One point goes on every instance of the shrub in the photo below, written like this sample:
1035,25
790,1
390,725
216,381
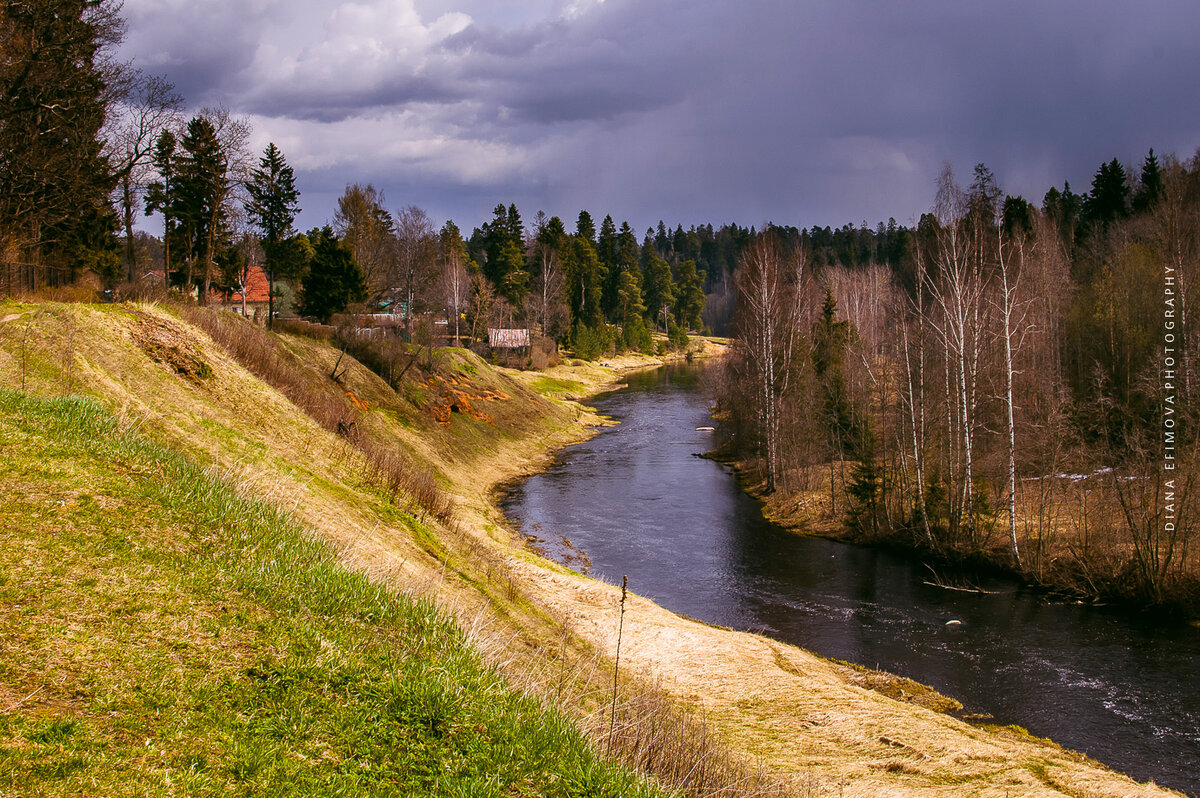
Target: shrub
636,337
590,343
677,336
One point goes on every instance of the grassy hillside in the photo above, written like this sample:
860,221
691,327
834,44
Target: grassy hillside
166,632
165,635
392,480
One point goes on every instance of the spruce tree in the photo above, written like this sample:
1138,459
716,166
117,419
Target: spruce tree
161,194
1150,189
657,286
1108,200
200,189
272,209
831,338
585,228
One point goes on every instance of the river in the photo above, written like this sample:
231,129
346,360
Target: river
638,501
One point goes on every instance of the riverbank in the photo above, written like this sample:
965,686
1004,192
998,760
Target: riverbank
821,512
552,631
811,717
393,480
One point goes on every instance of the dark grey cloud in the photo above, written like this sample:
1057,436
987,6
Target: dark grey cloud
803,113
326,103
202,47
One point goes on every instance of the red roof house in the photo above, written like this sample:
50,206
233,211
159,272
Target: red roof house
256,299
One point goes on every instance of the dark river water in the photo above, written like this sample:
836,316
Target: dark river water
638,501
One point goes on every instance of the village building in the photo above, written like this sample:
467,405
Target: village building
253,303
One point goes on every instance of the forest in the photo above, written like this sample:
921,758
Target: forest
1004,382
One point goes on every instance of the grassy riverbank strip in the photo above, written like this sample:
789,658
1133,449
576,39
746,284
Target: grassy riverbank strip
164,634
822,513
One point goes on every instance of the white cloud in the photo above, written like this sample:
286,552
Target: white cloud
578,8
409,141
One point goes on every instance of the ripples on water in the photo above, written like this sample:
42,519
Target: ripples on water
638,502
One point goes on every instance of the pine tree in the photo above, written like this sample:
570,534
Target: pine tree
272,209
54,94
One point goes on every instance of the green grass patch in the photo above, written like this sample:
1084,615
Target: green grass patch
164,635
557,388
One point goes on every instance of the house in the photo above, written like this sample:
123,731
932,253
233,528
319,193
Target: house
150,281
254,305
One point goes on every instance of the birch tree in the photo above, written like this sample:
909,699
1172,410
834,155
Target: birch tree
455,276
957,291
1011,320
768,332
548,282
914,396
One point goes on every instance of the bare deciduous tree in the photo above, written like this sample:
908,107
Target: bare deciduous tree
149,106
366,227
414,273
767,322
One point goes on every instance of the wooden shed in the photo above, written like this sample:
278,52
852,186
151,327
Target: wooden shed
508,339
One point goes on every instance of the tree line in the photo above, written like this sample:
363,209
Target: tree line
1005,383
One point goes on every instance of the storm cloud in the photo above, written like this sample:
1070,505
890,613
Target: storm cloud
800,113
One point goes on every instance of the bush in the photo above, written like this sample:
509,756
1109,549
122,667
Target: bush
388,357
590,343
543,353
677,336
319,332
388,469
636,337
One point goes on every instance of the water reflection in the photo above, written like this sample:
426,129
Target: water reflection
638,502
